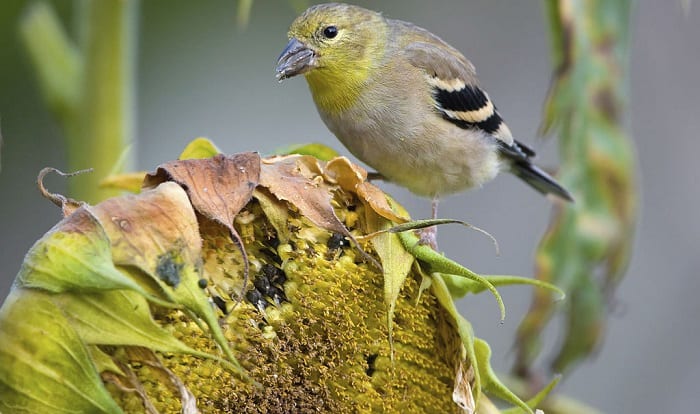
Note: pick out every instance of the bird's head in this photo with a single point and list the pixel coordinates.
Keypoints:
(331, 42)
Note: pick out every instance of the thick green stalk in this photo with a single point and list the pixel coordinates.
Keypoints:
(89, 86)
(108, 93)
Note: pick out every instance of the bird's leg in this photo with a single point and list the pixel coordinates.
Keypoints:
(428, 235)
(375, 176)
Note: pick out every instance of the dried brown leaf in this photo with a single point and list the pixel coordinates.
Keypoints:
(353, 178)
(142, 228)
(218, 187)
(298, 179)
(462, 393)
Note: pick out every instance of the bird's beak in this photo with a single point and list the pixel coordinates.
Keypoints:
(296, 58)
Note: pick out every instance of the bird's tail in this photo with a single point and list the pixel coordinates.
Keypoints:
(539, 180)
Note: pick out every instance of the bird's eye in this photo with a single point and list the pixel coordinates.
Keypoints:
(330, 32)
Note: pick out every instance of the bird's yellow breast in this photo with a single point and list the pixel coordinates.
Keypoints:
(336, 89)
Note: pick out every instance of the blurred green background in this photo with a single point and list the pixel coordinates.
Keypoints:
(200, 75)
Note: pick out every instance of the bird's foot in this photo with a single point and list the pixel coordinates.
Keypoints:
(375, 176)
(428, 237)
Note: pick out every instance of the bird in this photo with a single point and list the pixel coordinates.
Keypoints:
(405, 102)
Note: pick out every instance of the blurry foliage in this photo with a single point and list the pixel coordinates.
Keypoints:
(246, 6)
(586, 250)
(87, 83)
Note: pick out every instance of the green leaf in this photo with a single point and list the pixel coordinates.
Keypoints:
(320, 151)
(199, 148)
(131, 182)
(243, 13)
(121, 318)
(56, 59)
(593, 237)
(586, 321)
(46, 366)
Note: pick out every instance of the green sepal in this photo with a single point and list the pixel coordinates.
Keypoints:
(460, 286)
(464, 330)
(320, 151)
(396, 263)
(199, 148)
(102, 361)
(490, 382)
(537, 400)
(437, 263)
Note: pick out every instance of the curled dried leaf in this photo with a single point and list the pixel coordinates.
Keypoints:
(353, 178)
(157, 233)
(146, 229)
(67, 205)
(462, 393)
(298, 179)
(218, 187)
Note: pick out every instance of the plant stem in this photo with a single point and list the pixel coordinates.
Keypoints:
(108, 92)
(89, 87)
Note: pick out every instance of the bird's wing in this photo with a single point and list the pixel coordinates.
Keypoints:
(458, 97)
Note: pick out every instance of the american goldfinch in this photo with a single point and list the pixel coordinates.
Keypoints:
(404, 102)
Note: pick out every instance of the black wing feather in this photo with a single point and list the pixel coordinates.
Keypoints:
(518, 151)
(461, 106)
(469, 98)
